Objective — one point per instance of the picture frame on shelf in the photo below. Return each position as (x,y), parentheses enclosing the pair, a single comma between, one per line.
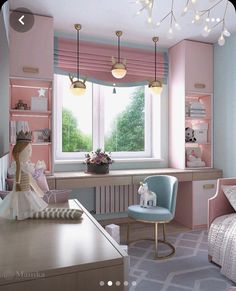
(38,136)
(39,104)
(42,135)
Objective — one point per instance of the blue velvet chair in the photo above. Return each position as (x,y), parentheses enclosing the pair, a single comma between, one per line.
(165,188)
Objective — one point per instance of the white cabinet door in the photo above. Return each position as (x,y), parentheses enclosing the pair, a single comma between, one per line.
(202,191)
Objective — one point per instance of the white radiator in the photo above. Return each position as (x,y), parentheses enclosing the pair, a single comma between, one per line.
(115,198)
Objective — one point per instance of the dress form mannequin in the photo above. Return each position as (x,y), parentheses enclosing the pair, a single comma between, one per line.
(22,202)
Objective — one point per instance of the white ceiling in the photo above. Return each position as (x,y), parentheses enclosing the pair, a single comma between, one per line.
(101,18)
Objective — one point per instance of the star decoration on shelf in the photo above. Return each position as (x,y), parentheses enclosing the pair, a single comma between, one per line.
(42,92)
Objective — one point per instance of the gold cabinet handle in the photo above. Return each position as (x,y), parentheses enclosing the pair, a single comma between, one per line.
(199,85)
(31,70)
(208,186)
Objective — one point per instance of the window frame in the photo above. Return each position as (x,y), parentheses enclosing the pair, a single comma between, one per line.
(151,125)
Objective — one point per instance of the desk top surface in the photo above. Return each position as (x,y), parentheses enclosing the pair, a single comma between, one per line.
(133,172)
(56,246)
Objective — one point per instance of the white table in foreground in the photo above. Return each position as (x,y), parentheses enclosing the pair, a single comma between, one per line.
(59,255)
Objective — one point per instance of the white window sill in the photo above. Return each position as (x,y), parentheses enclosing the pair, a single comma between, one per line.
(121,160)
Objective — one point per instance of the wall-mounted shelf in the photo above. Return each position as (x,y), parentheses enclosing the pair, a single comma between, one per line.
(30,113)
(196,144)
(36,121)
(197,118)
(37,143)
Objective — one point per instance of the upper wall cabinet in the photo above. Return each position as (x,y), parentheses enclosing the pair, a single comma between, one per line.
(198,67)
(190,105)
(31,52)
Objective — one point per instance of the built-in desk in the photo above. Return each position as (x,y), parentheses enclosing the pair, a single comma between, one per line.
(62,180)
(196,186)
(60,255)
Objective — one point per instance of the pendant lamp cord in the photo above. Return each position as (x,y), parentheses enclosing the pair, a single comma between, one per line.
(118,49)
(78,54)
(155,60)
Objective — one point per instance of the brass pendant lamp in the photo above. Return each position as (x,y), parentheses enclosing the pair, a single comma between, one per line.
(77,87)
(156,85)
(118,69)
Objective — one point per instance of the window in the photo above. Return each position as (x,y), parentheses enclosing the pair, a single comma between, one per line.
(121,123)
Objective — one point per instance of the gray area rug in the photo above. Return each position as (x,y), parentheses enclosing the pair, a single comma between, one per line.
(188,270)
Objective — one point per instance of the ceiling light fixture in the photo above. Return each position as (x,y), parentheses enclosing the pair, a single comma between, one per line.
(199,17)
(156,85)
(207,29)
(77,87)
(118,69)
(173,22)
(146,5)
(224,30)
(188,6)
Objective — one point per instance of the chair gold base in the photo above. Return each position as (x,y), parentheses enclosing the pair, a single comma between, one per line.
(156,240)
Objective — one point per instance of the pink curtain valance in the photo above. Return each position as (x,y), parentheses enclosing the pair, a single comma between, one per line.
(95,61)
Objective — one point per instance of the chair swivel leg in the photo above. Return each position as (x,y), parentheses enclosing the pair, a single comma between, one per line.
(156,239)
(160,257)
(164,231)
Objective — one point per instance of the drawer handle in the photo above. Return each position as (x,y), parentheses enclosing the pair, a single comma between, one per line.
(208,186)
(30,70)
(199,85)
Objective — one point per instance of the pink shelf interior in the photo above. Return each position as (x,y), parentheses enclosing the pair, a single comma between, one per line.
(206,148)
(24,89)
(35,123)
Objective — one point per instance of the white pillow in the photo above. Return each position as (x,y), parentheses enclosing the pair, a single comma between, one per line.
(230,193)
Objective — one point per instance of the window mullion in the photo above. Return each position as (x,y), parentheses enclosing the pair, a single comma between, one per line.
(101,118)
(148,121)
(57,123)
(95,116)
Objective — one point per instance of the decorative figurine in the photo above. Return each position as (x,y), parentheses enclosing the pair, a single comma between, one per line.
(146,195)
(22,202)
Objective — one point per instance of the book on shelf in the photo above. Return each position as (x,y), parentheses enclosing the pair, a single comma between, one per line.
(12,131)
(197,115)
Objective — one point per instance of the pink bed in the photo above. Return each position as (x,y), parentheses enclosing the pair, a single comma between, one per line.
(219,204)
(222,230)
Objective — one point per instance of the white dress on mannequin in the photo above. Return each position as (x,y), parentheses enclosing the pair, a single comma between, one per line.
(23,204)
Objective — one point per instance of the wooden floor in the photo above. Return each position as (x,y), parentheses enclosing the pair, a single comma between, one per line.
(141,230)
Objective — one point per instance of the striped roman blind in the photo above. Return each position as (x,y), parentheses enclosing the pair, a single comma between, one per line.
(95,61)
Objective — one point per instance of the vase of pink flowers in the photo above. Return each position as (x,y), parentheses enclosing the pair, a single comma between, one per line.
(98,162)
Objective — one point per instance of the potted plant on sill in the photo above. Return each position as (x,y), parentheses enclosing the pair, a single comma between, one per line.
(98,162)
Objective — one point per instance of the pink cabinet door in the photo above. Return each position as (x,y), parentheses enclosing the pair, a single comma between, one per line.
(202,191)
(198,67)
(31,52)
